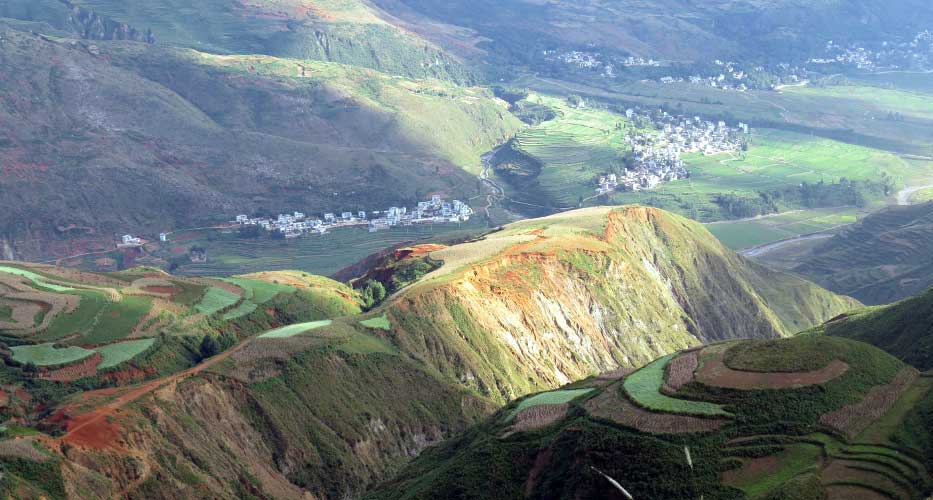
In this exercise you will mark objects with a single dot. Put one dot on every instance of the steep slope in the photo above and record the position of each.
(904, 329)
(883, 258)
(344, 31)
(220, 135)
(545, 302)
(743, 420)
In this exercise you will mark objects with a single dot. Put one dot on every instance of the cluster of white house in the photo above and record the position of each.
(296, 224)
(657, 156)
(916, 53)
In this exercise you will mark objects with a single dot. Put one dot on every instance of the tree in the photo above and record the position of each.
(209, 346)
(374, 292)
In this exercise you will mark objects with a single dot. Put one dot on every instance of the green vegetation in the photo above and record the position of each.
(216, 299)
(644, 388)
(378, 322)
(6, 313)
(904, 329)
(292, 330)
(806, 353)
(922, 196)
(121, 352)
(48, 354)
(360, 343)
(748, 233)
(36, 278)
(259, 292)
(878, 260)
(548, 398)
(118, 320)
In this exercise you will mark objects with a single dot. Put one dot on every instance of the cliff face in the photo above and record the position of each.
(555, 304)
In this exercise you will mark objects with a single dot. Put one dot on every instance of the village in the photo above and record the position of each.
(294, 225)
(656, 156)
(915, 54)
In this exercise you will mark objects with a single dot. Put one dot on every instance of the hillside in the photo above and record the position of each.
(904, 329)
(882, 258)
(220, 135)
(345, 31)
(515, 30)
(273, 384)
(805, 418)
(542, 303)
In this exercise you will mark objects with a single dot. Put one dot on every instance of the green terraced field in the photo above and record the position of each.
(121, 352)
(118, 320)
(216, 299)
(81, 320)
(644, 387)
(379, 322)
(359, 343)
(48, 354)
(38, 279)
(292, 330)
(549, 398)
(259, 291)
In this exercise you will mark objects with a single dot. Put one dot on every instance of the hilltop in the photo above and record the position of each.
(806, 418)
(144, 384)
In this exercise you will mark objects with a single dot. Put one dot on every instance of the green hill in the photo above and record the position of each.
(220, 135)
(274, 384)
(547, 301)
(904, 329)
(882, 258)
(808, 418)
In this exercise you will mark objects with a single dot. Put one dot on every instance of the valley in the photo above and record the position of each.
(397, 249)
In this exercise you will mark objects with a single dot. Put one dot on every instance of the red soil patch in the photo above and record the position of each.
(851, 420)
(715, 373)
(612, 405)
(539, 417)
(86, 368)
(128, 375)
(680, 371)
(96, 429)
(161, 290)
(417, 250)
(753, 467)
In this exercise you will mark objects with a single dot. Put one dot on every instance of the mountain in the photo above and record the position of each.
(344, 31)
(544, 302)
(515, 31)
(882, 258)
(219, 135)
(904, 329)
(140, 384)
(809, 417)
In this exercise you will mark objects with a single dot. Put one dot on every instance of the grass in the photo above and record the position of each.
(6, 313)
(323, 255)
(644, 387)
(548, 398)
(121, 352)
(118, 320)
(748, 233)
(296, 329)
(922, 196)
(246, 307)
(216, 299)
(259, 291)
(378, 322)
(48, 354)
(363, 344)
(37, 279)
(793, 461)
(803, 353)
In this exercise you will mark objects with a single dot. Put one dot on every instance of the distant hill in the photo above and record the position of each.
(904, 329)
(105, 138)
(883, 258)
(806, 418)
